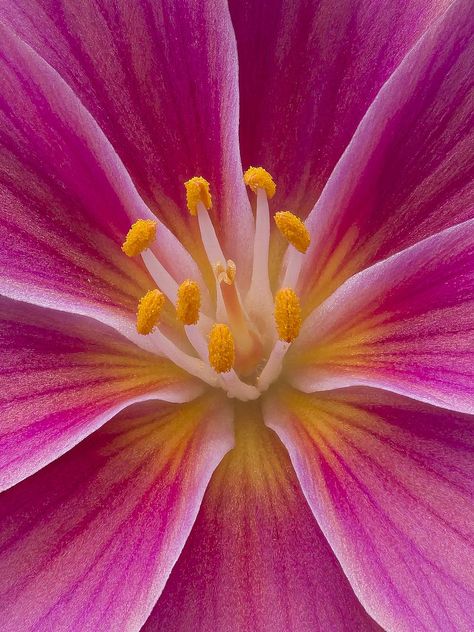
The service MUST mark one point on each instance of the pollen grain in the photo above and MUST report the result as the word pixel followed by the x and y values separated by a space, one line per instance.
pixel 293 229
pixel 188 302
pixel 221 348
pixel 148 312
pixel 197 190
pixel 140 237
pixel 287 314
pixel 259 178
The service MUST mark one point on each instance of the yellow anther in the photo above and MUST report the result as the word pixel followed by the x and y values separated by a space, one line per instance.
pixel 287 314
pixel 197 190
pixel 148 312
pixel 259 178
pixel 140 237
pixel 293 229
pixel 188 303
pixel 221 348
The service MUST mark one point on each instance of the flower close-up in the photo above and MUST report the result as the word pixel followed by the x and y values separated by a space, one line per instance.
pixel 236 315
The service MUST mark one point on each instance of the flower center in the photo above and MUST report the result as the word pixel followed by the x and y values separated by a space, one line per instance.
pixel 240 348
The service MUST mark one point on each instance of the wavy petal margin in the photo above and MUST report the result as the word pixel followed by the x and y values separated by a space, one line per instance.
pixel 61 377
pixel 308 73
pixel 256 559
pixel 405 324
pixel 408 171
pixel 88 542
pixel 390 481
pixel 161 80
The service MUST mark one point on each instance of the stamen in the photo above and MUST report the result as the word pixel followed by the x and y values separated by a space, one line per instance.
pixel 197 190
pixel 148 311
pixel 188 303
pixel 287 314
pixel 259 298
pixel 221 348
pixel 258 178
pixel 273 367
pixel 293 229
pixel 140 236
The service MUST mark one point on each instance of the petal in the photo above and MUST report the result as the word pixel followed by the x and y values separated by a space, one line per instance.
pixel 161 81
pixel 61 377
pixel 308 72
pixel 88 542
pixel 405 324
pixel 390 481
pixel 66 199
pixel 256 559
pixel 408 171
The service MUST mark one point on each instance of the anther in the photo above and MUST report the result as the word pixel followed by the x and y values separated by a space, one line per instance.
pixel 259 178
pixel 287 314
pixel 221 348
pixel 293 229
pixel 188 302
pixel 197 190
pixel 140 237
pixel 148 312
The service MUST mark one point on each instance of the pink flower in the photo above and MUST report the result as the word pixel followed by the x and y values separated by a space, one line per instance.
pixel 172 476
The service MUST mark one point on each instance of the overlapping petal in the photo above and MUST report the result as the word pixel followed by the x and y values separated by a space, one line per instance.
pixel 308 72
pixel 161 81
pixel 256 559
pixel 66 200
pixel 88 542
pixel 390 481
pixel 408 171
pixel 62 376
pixel 405 324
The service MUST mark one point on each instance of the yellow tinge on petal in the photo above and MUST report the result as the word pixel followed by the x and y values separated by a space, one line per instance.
pixel 287 314
pixel 259 178
pixel 293 229
pixel 197 190
pixel 140 237
pixel 221 348
pixel 188 303
pixel 148 312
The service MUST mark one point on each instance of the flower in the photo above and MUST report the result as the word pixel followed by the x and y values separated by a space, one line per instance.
pixel 333 489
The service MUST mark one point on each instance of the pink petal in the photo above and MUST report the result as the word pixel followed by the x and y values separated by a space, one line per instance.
pixel 66 199
pixel 61 377
pixel 256 559
pixel 308 72
pixel 406 324
pixel 408 171
pixel 88 542
pixel 161 81
pixel 390 481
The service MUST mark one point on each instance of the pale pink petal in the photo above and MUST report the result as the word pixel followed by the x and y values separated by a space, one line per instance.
pixel 405 324
pixel 61 377
pixel 390 481
pixel 66 201
pixel 408 171
pixel 308 72
pixel 161 81
pixel 88 542
pixel 256 559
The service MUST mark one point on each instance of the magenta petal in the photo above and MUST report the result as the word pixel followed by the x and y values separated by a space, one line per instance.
pixel 61 377
pixel 66 199
pixel 256 559
pixel 390 481
pixel 88 542
pixel 308 72
pixel 408 171
pixel 405 324
pixel 160 78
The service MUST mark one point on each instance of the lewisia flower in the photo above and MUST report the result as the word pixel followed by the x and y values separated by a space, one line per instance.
pixel 245 403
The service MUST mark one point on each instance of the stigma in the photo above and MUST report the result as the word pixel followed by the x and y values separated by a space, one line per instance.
pixel 240 344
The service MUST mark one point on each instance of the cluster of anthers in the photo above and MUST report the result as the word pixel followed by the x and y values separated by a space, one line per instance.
pixel 236 349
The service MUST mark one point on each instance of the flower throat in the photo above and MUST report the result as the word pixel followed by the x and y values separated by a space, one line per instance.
pixel 240 348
